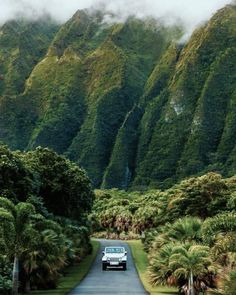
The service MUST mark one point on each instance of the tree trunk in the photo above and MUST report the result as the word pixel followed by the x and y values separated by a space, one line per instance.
pixel 15 276
pixel 191 284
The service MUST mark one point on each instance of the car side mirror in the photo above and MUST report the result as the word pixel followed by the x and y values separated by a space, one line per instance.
pixel 125 252
pixel 103 252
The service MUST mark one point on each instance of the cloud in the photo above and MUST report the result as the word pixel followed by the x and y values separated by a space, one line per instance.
pixel 60 10
pixel 190 12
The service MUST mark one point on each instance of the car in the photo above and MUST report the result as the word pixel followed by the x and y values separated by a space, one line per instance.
pixel 114 257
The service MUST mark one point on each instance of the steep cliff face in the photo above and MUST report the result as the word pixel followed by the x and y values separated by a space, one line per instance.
pixel 95 73
pixel 116 73
pixel 123 100
pixel 188 131
pixel 22 45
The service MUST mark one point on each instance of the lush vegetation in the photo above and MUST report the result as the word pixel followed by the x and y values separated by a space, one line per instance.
pixel 138 111
pixel 188 231
pixel 44 203
pixel 123 100
pixel 141 261
pixel 74 274
pixel 22 45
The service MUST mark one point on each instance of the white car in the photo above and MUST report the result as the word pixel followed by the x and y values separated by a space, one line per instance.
pixel 114 257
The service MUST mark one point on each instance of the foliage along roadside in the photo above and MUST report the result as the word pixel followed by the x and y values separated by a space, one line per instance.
pixel 73 274
pixel 193 221
pixel 44 203
pixel 141 263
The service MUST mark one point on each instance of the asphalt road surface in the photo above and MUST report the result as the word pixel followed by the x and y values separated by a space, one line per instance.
pixel 111 281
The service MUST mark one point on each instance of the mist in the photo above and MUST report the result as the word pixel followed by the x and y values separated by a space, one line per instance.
pixel 190 13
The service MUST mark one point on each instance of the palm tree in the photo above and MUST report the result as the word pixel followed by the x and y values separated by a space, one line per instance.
pixel 108 219
pixel 220 232
pixel 47 254
pixel 17 231
pixel 51 258
pixel 221 223
pixel 145 218
pixel 186 229
pixel 159 270
pixel 224 252
pixel 224 244
pixel 123 221
pixel 190 261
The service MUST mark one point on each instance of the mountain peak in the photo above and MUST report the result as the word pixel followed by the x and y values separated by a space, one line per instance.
pixel 123 99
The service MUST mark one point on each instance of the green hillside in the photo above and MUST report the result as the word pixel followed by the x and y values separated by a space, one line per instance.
pixel 22 45
pixel 190 122
pixel 124 100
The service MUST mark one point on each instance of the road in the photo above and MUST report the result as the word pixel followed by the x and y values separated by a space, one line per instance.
pixel 112 281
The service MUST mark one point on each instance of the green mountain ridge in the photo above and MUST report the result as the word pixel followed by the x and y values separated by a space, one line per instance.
pixel 127 102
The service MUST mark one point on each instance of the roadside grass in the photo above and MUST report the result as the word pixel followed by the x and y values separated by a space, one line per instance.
pixel 74 274
pixel 141 262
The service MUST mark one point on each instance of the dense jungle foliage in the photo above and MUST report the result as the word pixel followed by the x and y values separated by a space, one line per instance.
pixel 44 203
pixel 189 231
pixel 126 101
pixel 139 111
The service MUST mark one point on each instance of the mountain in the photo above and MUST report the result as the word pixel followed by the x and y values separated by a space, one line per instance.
pixel 22 45
pixel 125 100
pixel 196 107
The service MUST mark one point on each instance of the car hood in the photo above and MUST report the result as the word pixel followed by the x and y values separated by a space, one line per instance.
pixel 115 255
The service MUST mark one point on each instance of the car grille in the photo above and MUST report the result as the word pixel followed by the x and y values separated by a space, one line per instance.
pixel 114 259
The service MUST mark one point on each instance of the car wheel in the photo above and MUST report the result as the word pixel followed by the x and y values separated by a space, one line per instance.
pixel 124 266
pixel 104 267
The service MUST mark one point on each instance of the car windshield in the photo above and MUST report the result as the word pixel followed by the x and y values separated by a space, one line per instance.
pixel 115 250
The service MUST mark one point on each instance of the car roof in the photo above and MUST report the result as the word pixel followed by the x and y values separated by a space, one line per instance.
pixel 112 247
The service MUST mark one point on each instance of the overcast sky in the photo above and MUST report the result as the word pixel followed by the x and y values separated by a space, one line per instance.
pixel 190 12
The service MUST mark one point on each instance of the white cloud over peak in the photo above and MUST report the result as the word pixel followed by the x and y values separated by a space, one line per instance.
pixel 190 12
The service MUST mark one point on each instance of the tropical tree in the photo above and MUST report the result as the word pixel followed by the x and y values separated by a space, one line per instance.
pixel 123 221
pixel 191 262
pixel 15 179
pixel 108 219
pixel 145 218
pixel 220 232
pixel 46 183
pixel 160 272
pixel 202 196
pixel 224 244
pixel 17 232
pixel 177 257
pixel 64 187
pixel 187 229
pixel 47 259
pixel 46 255
pixel 221 223
pixel 5 275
